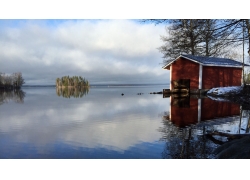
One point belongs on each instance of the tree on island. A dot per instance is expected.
(13, 81)
(75, 81)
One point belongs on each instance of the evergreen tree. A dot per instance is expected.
(75, 81)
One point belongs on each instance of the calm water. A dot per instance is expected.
(101, 123)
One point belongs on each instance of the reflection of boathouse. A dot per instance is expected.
(186, 111)
(198, 72)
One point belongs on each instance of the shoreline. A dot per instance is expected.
(235, 94)
(72, 86)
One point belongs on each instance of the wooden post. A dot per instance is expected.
(170, 77)
(200, 76)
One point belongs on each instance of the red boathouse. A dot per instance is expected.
(203, 72)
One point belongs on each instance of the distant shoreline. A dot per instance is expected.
(72, 87)
(102, 85)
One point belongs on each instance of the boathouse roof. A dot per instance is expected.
(208, 61)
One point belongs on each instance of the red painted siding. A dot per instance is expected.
(220, 77)
(186, 69)
(212, 76)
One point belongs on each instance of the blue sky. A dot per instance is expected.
(103, 51)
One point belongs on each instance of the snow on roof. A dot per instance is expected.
(209, 61)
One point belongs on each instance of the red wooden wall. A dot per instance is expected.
(186, 69)
(213, 76)
(220, 77)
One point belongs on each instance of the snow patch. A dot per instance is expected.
(225, 91)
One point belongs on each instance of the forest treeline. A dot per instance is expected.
(75, 81)
(12, 81)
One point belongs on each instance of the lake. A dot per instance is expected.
(101, 123)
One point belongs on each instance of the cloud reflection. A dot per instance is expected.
(97, 120)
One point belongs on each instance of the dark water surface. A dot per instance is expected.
(103, 124)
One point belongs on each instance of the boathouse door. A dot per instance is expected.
(181, 85)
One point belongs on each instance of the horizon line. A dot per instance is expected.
(104, 84)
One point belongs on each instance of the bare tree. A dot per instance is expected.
(183, 37)
(14, 81)
(247, 24)
(206, 37)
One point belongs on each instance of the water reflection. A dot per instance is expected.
(185, 111)
(16, 95)
(108, 125)
(104, 125)
(68, 92)
(185, 143)
(189, 121)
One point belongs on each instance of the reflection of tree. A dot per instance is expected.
(68, 92)
(185, 143)
(16, 95)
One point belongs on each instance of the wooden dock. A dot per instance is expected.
(184, 92)
(181, 88)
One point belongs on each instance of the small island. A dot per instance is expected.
(75, 81)
(75, 86)
(10, 82)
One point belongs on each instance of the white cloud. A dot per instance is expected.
(114, 50)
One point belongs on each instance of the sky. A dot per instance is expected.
(106, 51)
(102, 41)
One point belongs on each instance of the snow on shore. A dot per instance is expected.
(225, 91)
(234, 94)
